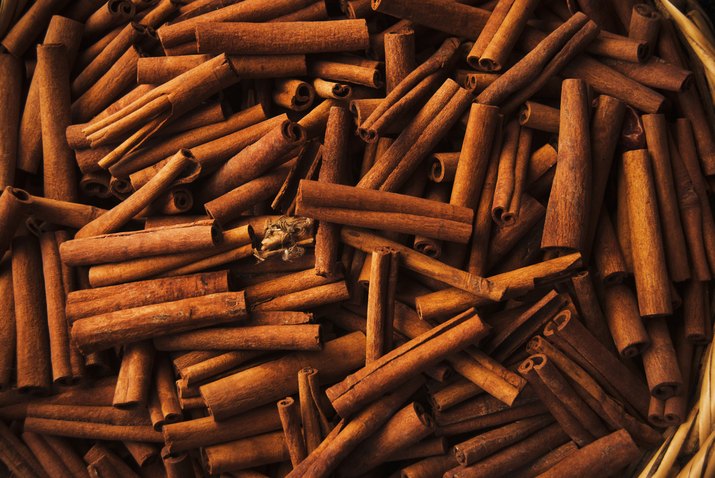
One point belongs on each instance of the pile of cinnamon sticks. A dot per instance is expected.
(387, 238)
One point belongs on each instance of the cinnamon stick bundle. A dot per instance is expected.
(332, 171)
(88, 302)
(337, 358)
(564, 227)
(427, 349)
(33, 359)
(259, 337)
(120, 246)
(381, 303)
(652, 279)
(383, 210)
(282, 37)
(149, 321)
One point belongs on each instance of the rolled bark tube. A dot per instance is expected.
(271, 150)
(63, 31)
(247, 452)
(567, 328)
(519, 281)
(259, 337)
(17, 457)
(383, 210)
(608, 81)
(95, 185)
(673, 238)
(481, 233)
(590, 308)
(332, 90)
(123, 246)
(399, 57)
(159, 151)
(114, 13)
(455, 19)
(62, 213)
(128, 36)
(686, 147)
(425, 245)
(255, 11)
(380, 303)
(135, 376)
(33, 361)
(546, 461)
(661, 363)
(88, 302)
(295, 95)
(239, 38)
(426, 448)
(504, 188)
(382, 166)
(651, 274)
(351, 73)
(58, 163)
(691, 215)
(567, 395)
(588, 461)
(165, 393)
(620, 48)
(47, 457)
(7, 327)
(118, 78)
(570, 424)
(138, 121)
(202, 432)
(331, 172)
(424, 265)
(310, 410)
(608, 258)
(22, 35)
(14, 204)
(444, 167)
(474, 156)
(654, 73)
(287, 284)
(402, 430)
(426, 142)
(427, 349)
(606, 123)
(566, 214)
(60, 353)
(549, 52)
(182, 162)
(695, 312)
(494, 22)
(517, 455)
(11, 85)
(540, 117)
(292, 435)
(337, 357)
(236, 244)
(344, 438)
(497, 51)
(93, 431)
(645, 25)
(136, 324)
(481, 446)
(269, 66)
(610, 410)
(401, 99)
(432, 466)
(158, 70)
